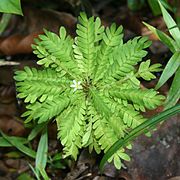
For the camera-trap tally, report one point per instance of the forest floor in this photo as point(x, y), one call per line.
point(154, 158)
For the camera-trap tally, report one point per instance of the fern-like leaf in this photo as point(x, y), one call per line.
point(111, 39)
point(71, 127)
point(145, 98)
point(46, 84)
point(125, 57)
point(146, 71)
point(56, 51)
point(46, 110)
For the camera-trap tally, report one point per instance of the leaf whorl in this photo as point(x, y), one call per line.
point(89, 85)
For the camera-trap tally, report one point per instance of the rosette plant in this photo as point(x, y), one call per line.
point(89, 85)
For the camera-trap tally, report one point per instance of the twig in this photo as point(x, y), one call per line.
point(8, 63)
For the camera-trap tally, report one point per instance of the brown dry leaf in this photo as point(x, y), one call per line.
point(7, 94)
point(11, 125)
point(175, 178)
point(12, 163)
point(24, 30)
point(37, 19)
point(146, 32)
point(17, 44)
point(8, 100)
point(9, 109)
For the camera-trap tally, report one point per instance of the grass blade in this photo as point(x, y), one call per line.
point(170, 69)
point(36, 130)
point(19, 145)
point(174, 92)
point(175, 32)
point(5, 143)
point(34, 171)
point(169, 42)
point(41, 156)
point(44, 174)
point(4, 22)
point(167, 5)
point(154, 7)
point(142, 128)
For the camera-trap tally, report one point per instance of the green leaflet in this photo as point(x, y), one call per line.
point(146, 98)
point(174, 93)
point(171, 24)
point(110, 40)
point(42, 152)
point(125, 57)
point(46, 84)
point(89, 86)
point(168, 41)
point(19, 144)
point(4, 22)
point(71, 127)
point(46, 110)
point(145, 70)
point(171, 67)
point(11, 6)
point(6, 143)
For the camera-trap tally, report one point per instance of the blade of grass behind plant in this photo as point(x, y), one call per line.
point(36, 130)
point(166, 5)
point(170, 69)
point(135, 5)
point(175, 32)
point(169, 42)
point(34, 171)
point(19, 145)
point(4, 22)
point(174, 92)
point(44, 174)
point(41, 156)
point(154, 7)
point(5, 143)
point(142, 128)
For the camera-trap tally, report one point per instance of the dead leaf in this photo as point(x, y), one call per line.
point(7, 94)
point(17, 44)
point(26, 29)
point(11, 125)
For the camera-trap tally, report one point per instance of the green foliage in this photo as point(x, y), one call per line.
point(4, 22)
point(141, 129)
point(10, 6)
point(89, 86)
point(25, 176)
point(5, 143)
point(173, 65)
point(135, 5)
point(42, 152)
point(18, 143)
